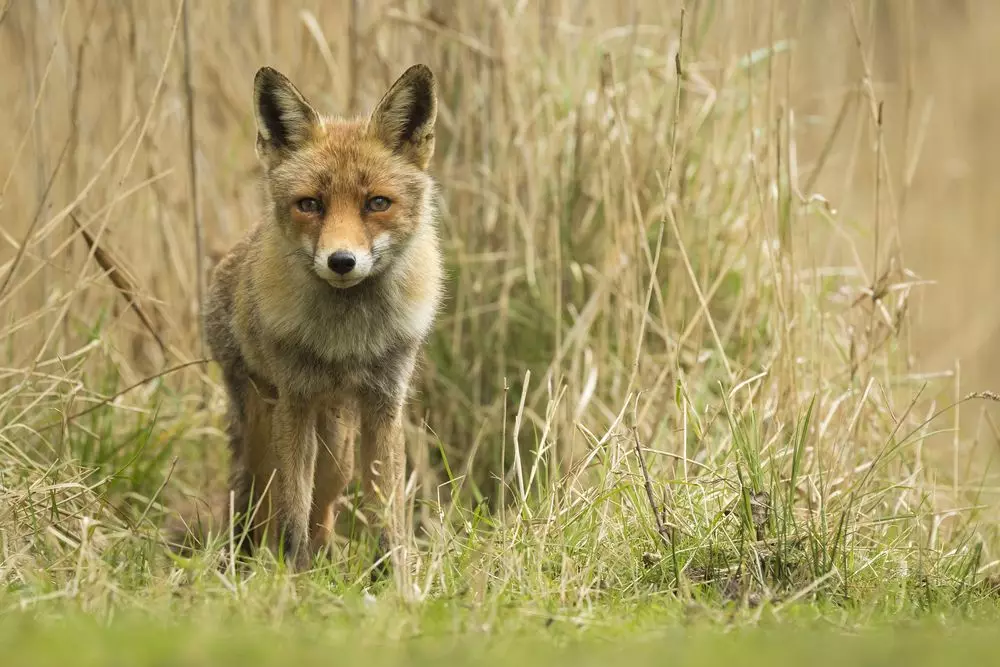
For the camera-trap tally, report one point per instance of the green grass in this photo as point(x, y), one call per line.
point(366, 636)
point(737, 546)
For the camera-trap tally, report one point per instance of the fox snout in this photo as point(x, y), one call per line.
point(344, 266)
point(344, 259)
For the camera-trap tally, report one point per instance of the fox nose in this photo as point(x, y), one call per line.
point(341, 262)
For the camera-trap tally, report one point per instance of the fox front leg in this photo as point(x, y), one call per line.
point(294, 442)
point(382, 474)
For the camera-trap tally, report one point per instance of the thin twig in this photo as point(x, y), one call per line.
point(115, 397)
point(831, 140)
point(152, 499)
point(34, 221)
point(199, 230)
point(144, 128)
point(121, 281)
point(660, 530)
point(354, 62)
point(73, 177)
point(470, 43)
point(678, 98)
point(15, 161)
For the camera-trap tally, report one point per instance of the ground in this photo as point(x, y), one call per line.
point(688, 399)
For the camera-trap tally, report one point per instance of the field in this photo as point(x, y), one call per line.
point(715, 380)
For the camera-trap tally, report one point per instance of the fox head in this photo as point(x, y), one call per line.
point(348, 195)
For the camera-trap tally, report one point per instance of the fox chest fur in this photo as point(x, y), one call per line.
point(298, 334)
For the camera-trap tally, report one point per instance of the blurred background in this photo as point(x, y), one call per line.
point(647, 196)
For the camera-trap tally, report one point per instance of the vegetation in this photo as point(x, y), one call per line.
point(676, 388)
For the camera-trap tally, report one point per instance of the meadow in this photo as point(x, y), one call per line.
point(716, 377)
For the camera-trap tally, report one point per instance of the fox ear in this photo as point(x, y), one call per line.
point(404, 118)
point(284, 119)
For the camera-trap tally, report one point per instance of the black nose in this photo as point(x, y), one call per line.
point(341, 262)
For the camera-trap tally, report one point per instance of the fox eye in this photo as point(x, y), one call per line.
point(378, 204)
point(309, 205)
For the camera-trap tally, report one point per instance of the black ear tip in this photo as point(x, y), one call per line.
point(267, 75)
point(420, 72)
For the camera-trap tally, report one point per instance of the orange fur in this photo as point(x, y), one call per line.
point(313, 348)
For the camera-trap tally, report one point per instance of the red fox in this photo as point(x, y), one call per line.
point(317, 315)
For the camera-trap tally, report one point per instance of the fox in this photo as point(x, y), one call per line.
point(317, 315)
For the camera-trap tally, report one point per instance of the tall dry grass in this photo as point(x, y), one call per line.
point(701, 232)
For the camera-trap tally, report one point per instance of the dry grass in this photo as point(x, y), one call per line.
point(705, 249)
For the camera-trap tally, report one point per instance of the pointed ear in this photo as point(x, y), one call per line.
point(404, 119)
point(285, 120)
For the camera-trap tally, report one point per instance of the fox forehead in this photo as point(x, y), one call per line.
point(343, 161)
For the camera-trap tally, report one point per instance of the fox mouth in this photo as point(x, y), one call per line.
point(344, 283)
